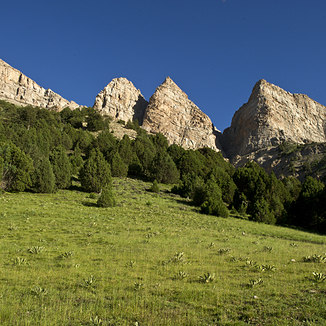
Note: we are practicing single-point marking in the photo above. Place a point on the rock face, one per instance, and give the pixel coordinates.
(272, 116)
(16, 88)
(172, 114)
(121, 100)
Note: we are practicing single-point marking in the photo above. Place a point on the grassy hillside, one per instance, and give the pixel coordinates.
(152, 260)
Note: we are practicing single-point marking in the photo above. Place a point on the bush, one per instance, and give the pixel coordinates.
(107, 197)
(155, 187)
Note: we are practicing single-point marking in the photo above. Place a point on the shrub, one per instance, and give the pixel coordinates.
(155, 187)
(107, 197)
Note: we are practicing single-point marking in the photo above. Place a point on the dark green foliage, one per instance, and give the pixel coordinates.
(240, 202)
(122, 122)
(266, 196)
(28, 116)
(213, 204)
(84, 140)
(107, 198)
(74, 117)
(43, 177)
(17, 168)
(155, 187)
(65, 114)
(261, 212)
(188, 185)
(309, 211)
(61, 168)
(176, 152)
(135, 167)
(225, 182)
(191, 162)
(1, 170)
(145, 151)
(212, 159)
(95, 173)
(135, 126)
(106, 142)
(95, 122)
(76, 160)
(118, 167)
(160, 142)
(125, 149)
(163, 169)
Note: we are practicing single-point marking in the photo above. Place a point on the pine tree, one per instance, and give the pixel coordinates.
(95, 173)
(163, 169)
(213, 205)
(135, 167)
(43, 177)
(76, 160)
(125, 149)
(61, 167)
(118, 167)
(17, 168)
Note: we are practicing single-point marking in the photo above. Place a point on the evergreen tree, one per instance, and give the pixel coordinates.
(107, 197)
(106, 142)
(145, 151)
(309, 209)
(261, 212)
(191, 162)
(76, 160)
(61, 168)
(213, 204)
(160, 142)
(225, 182)
(118, 167)
(95, 173)
(163, 169)
(189, 185)
(135, 167)
(17, 168)
(125, 149)
(176, 152)
(43, 177)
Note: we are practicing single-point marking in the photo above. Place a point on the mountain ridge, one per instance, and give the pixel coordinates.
(17, 88)
(270, 117)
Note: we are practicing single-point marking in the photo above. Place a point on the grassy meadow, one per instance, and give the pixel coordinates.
(151, 260)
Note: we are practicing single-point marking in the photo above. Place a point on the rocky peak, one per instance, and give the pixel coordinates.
(272, 116)
(17, 88)
(121, 100)
(172, 114)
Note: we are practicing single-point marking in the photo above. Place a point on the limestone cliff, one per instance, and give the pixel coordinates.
(172, 114)
(121, 100)
(17, 88)
(272, 116)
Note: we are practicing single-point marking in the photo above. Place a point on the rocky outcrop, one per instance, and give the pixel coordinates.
(121, 100)
(17, 88)
(272, 116)
(172, 114)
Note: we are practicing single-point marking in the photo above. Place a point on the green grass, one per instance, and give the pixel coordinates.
(152, 260)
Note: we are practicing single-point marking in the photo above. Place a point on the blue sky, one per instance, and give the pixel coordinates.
(214, 50)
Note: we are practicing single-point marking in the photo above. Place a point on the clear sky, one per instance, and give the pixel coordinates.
(214, 50)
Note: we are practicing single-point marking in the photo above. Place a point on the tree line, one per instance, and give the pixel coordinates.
(43, 150)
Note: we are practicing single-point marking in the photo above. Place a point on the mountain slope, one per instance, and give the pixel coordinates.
(17, 88)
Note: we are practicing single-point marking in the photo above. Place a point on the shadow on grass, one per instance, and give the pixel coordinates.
(89, 204)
